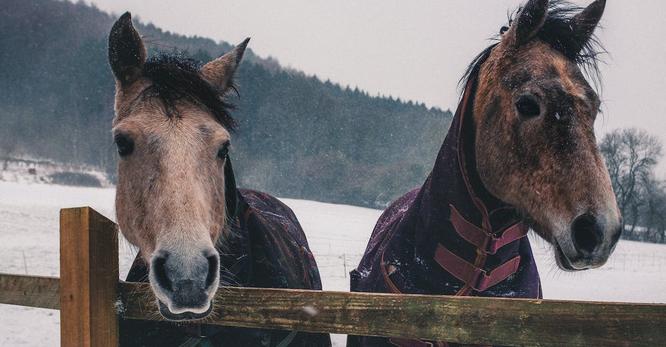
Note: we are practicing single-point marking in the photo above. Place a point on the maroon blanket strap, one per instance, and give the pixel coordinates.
(485, 242)
(478, 279)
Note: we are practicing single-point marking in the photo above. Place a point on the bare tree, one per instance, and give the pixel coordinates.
(631, 155)
(653, 214)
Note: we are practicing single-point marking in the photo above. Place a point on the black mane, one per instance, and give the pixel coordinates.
(556, 32)
(175, 77)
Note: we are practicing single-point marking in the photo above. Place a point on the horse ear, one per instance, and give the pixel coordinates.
(584, 23)
(220, 72)
(126, 51)
(529, 22)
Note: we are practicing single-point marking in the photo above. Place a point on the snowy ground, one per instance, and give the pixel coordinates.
(337, 235)
(34, 170)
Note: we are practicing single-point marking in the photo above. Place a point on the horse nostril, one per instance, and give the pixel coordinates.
(586, 233)
(159, 268)
(213, 269)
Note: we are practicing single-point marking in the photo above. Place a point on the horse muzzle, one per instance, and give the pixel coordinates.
(184, 284)
(185, 315)
(588, 244)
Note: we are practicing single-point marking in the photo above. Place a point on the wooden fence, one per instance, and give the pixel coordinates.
(91, 299)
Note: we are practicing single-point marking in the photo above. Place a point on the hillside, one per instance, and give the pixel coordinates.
(299, 136)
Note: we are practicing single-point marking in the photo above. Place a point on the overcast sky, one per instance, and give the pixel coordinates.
(419, 49)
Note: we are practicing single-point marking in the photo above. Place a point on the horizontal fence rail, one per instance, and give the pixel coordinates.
(91, 299)
(39, 292)
(445, 318)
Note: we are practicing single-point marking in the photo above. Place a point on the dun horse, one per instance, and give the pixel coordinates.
(520, 153)
(177, 200)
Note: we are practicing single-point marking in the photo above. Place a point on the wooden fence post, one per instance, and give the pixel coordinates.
(88, 279)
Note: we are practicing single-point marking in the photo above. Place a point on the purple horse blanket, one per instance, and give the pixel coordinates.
(448, 237)
(266, 248)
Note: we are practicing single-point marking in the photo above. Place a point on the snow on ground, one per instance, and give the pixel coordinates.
(29, 170)
(337, 234)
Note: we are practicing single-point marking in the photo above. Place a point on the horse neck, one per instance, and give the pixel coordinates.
(454, 182)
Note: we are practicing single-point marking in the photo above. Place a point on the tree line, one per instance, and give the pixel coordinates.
(299, 136)
(631, 156)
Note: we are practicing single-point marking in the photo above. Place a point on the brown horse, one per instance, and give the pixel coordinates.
(520, 153)
(176, 199)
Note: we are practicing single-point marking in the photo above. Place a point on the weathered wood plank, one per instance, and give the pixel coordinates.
(465, 320)
(453, 319)
(88, 279)
(41, 292)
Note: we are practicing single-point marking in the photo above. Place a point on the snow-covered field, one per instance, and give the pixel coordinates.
(36, 170)
(337, 235)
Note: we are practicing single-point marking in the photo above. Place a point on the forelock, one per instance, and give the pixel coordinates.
(174, 78)
(558, 33)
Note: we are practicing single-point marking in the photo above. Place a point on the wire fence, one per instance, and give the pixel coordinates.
(337, 262)
(336, 257)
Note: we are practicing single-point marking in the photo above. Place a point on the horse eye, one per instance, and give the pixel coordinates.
(223, 151)
(124, 144)
(528, 106)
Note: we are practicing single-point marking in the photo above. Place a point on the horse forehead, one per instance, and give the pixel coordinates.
(186, 123)
(188, 135)
(547, 63)
(570, 81)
